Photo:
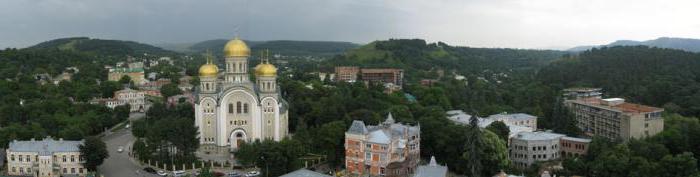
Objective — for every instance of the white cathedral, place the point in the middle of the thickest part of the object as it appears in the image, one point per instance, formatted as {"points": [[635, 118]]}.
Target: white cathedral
{"points": [[231, 109]]}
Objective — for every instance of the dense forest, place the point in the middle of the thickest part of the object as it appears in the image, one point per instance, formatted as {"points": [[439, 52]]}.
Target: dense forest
{"points": [[103, 47], [282, 47], [654, 76]]}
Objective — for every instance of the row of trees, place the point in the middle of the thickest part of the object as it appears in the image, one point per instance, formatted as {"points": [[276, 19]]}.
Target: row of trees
{"points": [[167, 134]]}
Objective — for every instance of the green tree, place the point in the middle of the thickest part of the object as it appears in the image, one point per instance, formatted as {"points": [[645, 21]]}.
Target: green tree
{"points": [[125, 80], [474, 148], [500, 129], [169, 90], [94, 150], [679, 165], [495, 154]]}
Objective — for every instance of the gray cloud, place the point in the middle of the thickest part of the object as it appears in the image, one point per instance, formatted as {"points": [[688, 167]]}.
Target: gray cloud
{"points": [[482, 23]]}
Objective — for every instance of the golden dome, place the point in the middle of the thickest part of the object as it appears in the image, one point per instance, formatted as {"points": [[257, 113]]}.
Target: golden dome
{"points": [[236, 48], [208, 70], [265, 69]]}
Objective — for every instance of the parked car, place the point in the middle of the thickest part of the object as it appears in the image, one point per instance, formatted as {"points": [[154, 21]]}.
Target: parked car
{"points": [[127, 126], [252, 173], [234, 174], [219, 174], [120, 149], [149, 170], [162, 173], [179, 173]]}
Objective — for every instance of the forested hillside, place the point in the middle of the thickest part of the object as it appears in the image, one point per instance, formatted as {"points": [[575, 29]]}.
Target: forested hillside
{"points": [[102, 47], [282, 47], [416, 56], [686, 44], [661, 77]]}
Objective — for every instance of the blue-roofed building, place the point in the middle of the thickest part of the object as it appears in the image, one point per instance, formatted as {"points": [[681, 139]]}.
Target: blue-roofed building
{"points": [[45, 158]]}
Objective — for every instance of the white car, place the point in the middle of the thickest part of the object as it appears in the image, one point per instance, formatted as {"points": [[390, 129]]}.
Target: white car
{"points": [[252, 174], [120, 149], [127, 126], [162, 173], [179, 173]]}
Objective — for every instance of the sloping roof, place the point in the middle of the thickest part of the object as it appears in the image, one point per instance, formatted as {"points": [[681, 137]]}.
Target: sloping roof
{"points": [[358, 127], [379, 136], [304, 173], [45, 146], [431, 170]]}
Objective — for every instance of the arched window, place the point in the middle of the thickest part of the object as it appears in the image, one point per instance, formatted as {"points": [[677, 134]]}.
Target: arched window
{"points": [[230, 108], [245, 108], [238, 107]]}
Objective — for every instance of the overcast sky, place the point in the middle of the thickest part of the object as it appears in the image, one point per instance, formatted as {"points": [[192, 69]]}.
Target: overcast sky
{"points": [[479, 23]]}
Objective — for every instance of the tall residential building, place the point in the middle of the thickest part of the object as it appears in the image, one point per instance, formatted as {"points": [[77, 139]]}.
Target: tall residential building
{"points": [[231, 109], [614, 118], [45, 158], [390, 149], [346, 73]]}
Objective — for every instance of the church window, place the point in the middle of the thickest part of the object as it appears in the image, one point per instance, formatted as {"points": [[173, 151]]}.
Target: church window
{"points": [[230, 122], [269, 122], [208, 123], [245, 108], [230, 108], [207, 86], [238, 107]]}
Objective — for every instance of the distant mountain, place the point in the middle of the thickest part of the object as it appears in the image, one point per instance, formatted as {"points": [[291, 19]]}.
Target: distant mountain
{"points": [[102, 47], [283, 47], [691, 45]]}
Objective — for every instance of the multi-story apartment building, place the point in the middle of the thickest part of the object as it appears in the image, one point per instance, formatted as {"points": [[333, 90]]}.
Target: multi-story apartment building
{"points": [[346, 73], [45, 158], [527, 148], [390, 149], [136, 74], [386, 76], [582, 92], [613, 118]]}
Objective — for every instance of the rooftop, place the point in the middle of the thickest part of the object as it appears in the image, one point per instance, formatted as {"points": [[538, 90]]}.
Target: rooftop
{"points": [[431, 170], [533, 136], [46, 146], [582, 89], [576, 139], [516, 116], [622, 107]]}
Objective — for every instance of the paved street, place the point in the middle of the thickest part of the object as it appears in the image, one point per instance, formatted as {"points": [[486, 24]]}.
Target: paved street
{"points": [[118, 164]]}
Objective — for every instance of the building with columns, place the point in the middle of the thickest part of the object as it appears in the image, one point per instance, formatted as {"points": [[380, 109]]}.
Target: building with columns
{"points": [[230, 109]]}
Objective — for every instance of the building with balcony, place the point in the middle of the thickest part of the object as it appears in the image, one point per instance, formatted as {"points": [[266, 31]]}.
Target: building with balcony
{"points": [[615, 119], [346, 73], [135, 98], [390, 149], [45, 158]]}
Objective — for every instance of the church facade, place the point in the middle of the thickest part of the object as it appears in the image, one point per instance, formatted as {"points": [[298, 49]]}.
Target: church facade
{"points": [[230, 109]]}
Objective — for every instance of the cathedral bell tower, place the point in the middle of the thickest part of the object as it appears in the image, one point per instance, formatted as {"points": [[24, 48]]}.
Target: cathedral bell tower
{"points": [[208, 74], [266, 75], [236, 53]]}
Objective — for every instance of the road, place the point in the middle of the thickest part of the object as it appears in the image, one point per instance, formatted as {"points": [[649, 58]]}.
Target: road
{"points": [[118, 164]]}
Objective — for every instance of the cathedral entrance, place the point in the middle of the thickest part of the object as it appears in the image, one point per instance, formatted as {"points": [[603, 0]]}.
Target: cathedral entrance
{"points": [[237, 138]]}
